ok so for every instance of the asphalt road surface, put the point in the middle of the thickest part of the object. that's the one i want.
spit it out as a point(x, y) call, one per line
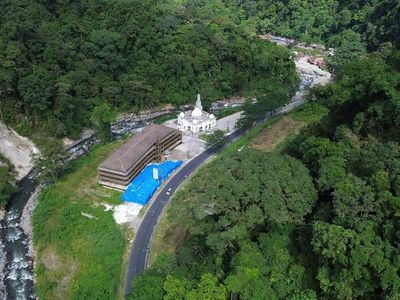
point(140, 249)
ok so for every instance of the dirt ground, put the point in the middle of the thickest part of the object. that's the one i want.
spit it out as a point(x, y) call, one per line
point(52, 261)
point(17, 149)
point(272, 136)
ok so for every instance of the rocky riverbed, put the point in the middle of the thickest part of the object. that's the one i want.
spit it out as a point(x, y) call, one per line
point(310, 75)
point(17, 263)
point(26, 220)
point(3, 260)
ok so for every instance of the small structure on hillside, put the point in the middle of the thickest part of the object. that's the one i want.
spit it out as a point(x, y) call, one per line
point(196, 120)
point(318, 61)
point(118, 170)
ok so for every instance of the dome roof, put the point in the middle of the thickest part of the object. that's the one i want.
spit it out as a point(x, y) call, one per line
point(211, 116)
point(196, 112)
point(181, 114)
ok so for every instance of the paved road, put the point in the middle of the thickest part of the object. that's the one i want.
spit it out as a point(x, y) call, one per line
point(140, 249)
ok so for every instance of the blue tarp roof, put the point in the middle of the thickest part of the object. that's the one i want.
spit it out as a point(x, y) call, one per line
point(143, 186)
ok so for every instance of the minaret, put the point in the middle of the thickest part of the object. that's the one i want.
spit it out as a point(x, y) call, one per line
point(198, 103)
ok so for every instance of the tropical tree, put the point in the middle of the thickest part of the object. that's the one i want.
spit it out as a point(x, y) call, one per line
point(102, 117)
point(7, 185)
point(51, 159)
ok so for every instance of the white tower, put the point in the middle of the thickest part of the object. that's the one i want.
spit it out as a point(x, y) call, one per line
point(198, 103)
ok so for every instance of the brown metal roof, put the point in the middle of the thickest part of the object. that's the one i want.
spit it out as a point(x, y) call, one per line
point(136, 147)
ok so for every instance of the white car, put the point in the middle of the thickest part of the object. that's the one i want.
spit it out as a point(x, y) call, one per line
point(169, 191)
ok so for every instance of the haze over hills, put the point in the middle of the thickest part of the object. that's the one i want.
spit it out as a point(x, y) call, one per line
point(312, 214)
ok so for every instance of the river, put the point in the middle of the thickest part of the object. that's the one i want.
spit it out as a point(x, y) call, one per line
point(18, 275)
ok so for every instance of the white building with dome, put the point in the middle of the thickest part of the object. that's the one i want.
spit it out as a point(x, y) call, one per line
point(196, 120)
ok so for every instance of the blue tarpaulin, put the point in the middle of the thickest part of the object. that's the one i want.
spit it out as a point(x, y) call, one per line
point(143, 187)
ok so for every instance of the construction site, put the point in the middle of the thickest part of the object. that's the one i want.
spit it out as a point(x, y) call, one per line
point(119, 169)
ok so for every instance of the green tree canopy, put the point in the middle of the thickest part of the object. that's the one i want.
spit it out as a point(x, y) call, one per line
point(7, 185)
point(102, 117)
point(247, 190)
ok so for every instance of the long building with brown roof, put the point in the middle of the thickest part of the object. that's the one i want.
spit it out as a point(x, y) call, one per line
point(118, 170)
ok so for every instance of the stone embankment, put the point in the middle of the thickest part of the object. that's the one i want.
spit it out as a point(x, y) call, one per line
point(312, 73)
point(3, 262)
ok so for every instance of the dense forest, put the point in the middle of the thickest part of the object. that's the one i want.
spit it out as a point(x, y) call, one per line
point(319, 219)
point(316, 219)
point(59, 60)
point(334, 22)
point(352, 27)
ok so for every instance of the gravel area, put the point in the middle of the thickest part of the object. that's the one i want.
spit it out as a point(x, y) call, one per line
point(3, 262)
point(26, 219)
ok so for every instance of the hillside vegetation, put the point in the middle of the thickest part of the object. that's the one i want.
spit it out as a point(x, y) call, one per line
point(352, 27)
point(61, 59)
point(7, 182)
point(319, 219)
point(369, 23)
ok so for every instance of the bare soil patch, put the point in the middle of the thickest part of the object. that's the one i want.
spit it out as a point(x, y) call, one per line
point(64, 284)
point(273, 135)
point(51, 260)
point(17, 149)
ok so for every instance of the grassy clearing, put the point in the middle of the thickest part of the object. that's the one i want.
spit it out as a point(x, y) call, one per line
point(79, 257)
point(273, 136)
point(309, 113)
point(245, 140)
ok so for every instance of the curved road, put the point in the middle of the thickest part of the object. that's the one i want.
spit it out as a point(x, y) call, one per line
point(138, 257)
point(140, 249)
